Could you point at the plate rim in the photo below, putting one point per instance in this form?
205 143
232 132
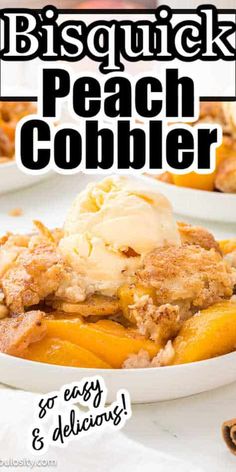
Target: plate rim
205 193
8 164
176 367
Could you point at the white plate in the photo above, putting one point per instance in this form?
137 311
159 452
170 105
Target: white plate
12 178
211 206
144 385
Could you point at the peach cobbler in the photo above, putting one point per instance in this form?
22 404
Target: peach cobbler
10 114
120 285
223 179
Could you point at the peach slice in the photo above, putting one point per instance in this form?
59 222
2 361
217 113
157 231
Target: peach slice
205 181
109 344
227 246
96 305
210 333
61 352
194 180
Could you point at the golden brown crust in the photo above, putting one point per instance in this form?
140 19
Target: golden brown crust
158 323
225 180
6 145
214 112
95 305
14 240
10 114
16 334
142 359
212 109
222 113
13 111
196 235
188 276
35 274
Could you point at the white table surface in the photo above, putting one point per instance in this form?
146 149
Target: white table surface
188 429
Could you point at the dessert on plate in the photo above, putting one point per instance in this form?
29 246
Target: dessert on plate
10 114
120 285
223 179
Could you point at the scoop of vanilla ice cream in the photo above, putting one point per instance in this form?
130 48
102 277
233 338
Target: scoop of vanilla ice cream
109 229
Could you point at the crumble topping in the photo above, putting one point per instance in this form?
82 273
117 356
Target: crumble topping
188 276
155 322
17 333
142 359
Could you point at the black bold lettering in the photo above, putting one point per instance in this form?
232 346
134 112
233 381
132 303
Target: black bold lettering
99 147
179 140
32 132
56 84
86 89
